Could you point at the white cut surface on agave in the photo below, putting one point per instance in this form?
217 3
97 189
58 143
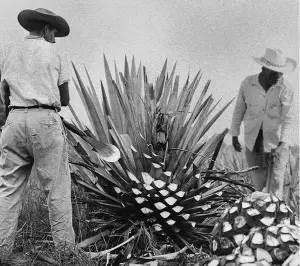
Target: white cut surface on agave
262 254
284 230
142 136
214 262
171 222
159 183
193 224
205 207
140 200
238 239
286 238
177 209
180 194
185 216
273 229
136 191
197 197
253 212
159 205
147 187
171 200
274 199
268 199
155 155
283 208
227 227
167 173
197 176
164 192
173 187
155 165
272 241
133 149
157 228
268 221
147 156
219 194
118 190
245 259
146 210
286 221
245 239
207 184
230 257
233 209
258 238
246 205
148 179
271 207
165 214
133 177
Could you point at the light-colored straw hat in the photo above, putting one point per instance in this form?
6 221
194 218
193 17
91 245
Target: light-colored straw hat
275 60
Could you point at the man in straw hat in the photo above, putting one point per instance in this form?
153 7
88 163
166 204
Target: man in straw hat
265 105
37 77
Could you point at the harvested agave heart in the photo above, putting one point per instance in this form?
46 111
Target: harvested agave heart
266 230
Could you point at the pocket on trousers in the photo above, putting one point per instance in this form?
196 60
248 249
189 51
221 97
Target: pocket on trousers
7 123
48 135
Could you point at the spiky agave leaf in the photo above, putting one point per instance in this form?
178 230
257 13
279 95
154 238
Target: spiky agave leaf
160 179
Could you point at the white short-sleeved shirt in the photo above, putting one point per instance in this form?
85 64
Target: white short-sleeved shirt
33 70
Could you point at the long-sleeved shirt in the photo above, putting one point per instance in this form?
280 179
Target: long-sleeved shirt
273 111
33 69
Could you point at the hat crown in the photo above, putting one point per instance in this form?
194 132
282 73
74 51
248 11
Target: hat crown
45 11
275 57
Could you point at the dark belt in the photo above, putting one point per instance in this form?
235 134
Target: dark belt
43 106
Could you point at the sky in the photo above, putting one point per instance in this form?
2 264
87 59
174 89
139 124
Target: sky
218 37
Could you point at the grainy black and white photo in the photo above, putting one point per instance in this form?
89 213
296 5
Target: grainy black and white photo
150 133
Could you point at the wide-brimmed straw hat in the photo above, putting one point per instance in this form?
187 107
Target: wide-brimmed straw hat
275 60
28 17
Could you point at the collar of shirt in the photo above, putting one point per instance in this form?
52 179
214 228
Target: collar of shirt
254 82
34 37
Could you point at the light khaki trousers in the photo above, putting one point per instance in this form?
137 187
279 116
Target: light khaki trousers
34 136
278 179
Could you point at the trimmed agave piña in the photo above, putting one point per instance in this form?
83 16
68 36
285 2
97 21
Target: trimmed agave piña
257 230
164 181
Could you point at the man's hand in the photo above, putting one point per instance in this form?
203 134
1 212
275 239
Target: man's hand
236 144
275 153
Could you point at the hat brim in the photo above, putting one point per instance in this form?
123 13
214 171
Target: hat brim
290 65
26 17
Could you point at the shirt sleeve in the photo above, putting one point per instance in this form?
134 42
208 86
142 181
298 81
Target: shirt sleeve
288 113
2 57
238 112
64 73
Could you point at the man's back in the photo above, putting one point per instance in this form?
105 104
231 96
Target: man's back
33 70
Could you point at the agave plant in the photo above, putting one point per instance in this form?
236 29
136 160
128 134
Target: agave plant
164 181
259 229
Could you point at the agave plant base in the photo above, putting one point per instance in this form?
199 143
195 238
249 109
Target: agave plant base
164 188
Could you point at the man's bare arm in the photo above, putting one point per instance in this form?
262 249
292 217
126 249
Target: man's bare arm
64 94
4 93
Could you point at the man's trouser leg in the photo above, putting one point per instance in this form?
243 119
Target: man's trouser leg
278 174
49 147
15 168
259 176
